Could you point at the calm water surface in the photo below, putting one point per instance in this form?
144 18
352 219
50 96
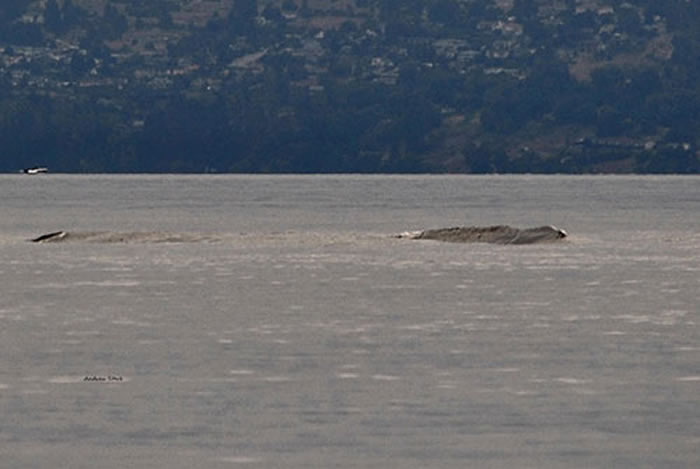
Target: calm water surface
296 332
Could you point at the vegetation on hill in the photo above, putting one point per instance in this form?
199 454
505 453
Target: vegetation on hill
350 85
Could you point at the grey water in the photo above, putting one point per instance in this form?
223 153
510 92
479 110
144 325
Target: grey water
293 330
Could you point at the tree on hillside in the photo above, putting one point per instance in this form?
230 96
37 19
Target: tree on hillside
11 9
244 11
52 16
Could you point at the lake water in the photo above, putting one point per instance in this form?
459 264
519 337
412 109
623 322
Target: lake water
294 331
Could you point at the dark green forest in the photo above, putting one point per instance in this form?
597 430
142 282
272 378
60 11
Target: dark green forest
472 86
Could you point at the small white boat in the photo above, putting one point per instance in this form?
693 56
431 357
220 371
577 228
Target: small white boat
35 170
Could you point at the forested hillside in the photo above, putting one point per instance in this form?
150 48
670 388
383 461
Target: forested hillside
350 85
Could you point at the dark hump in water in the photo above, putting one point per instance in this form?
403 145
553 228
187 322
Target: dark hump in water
499 234
50 237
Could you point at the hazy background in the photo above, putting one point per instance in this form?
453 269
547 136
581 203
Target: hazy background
368 86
